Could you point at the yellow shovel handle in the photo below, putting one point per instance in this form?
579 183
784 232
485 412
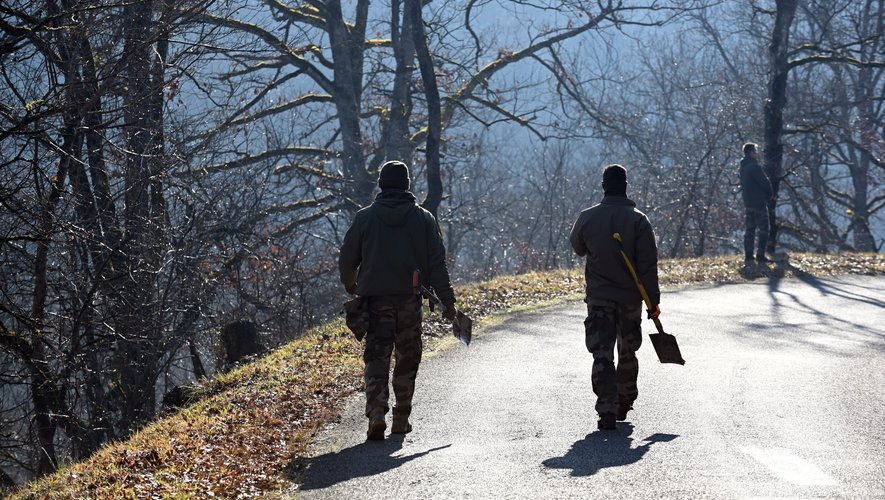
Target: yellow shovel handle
642 291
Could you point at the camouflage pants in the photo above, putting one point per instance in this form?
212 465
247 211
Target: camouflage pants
609 324
395 327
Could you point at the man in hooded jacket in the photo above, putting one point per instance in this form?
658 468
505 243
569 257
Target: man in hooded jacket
388 241
757 194
614 304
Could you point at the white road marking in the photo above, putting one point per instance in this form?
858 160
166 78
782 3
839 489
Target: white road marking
789 467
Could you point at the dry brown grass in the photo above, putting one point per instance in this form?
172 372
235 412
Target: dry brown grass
256 421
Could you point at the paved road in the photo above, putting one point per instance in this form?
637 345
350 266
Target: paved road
782 396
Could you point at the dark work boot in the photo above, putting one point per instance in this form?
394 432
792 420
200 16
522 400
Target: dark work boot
401 423
623 408
606 422
376 425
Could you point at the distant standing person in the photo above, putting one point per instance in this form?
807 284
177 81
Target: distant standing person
756 191
614 305
387 242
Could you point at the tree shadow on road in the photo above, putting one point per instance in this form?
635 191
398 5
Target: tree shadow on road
364 459
828 287
783 300
602 449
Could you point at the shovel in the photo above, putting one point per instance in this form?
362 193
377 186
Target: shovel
665 344
462 326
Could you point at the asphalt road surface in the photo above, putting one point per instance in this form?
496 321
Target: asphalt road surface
782 396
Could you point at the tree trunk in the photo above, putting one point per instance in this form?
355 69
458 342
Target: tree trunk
860 171
860 214
6 482
778 52
347 59
138 348
434 115
44 390
396 136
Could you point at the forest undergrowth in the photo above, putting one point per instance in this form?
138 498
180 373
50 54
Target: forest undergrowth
247 429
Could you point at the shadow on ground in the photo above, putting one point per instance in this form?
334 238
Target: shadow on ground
783 300
361 460
602 449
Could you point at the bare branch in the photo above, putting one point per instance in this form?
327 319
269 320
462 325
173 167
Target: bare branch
834 58
506 58
264 156
291 55
303 14
510 116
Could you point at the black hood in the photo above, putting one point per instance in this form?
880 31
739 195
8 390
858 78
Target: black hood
393 206
616 199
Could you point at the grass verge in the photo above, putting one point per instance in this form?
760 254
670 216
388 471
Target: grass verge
257 420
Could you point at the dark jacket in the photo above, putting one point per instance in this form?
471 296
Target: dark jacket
387 241
755 186
608 277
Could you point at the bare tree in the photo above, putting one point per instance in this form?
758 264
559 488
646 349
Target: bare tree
861 48
86 312
785 11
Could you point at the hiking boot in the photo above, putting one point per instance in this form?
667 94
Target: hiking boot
606 422
400 424
762 259
623 408
376 425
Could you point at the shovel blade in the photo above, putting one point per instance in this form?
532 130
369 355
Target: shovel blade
462 327
666 348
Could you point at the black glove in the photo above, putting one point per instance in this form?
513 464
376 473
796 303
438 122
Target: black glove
450 312
351 288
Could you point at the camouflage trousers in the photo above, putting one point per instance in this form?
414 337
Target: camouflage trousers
395 328
611 324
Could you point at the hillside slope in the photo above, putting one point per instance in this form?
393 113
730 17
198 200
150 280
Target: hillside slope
250 425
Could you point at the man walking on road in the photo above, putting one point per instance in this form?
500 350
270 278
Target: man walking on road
614 304
756 192
388 241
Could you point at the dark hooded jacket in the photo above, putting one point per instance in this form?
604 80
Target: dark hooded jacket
607 275
387 241
755 186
